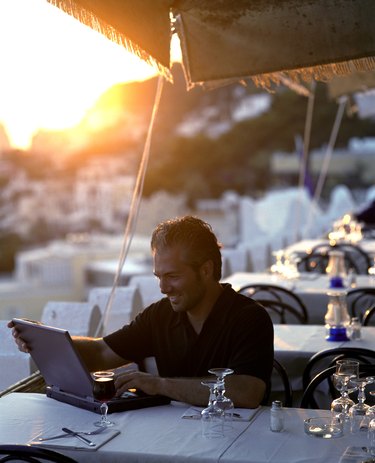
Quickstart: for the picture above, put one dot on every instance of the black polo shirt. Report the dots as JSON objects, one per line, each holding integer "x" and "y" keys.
{"x": 238, "y": 334}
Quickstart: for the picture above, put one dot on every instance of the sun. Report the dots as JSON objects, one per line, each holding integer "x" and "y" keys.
{"x": 54, "y": 68}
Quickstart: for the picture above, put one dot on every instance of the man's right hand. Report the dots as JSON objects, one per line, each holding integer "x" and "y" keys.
{"x": 21, "y": 344}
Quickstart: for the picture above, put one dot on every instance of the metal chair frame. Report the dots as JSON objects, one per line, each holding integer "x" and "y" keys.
{"x": 287, "y": 388}
{"x": 364, "y": 356}
{"x": 308, "y": 400}
{"x": 360, "y": 300}
{"x": 278, "y": 300}
{"x": 317, "y": 260}
{"x": 15, "y": 452}
{"x": 368, "y": 316}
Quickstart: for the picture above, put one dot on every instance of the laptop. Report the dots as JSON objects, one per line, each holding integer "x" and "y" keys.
{"x": 65, "y": 374}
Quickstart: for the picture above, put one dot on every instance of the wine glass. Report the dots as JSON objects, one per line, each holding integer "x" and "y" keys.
{"x": 357, "y": 412}
{"x": 222, "y": 401}
{"x": 212, "y": 416}
{"x": 346, "y": 371}
{"x": 103, "y": 389}
{"x": 370, "y": 413}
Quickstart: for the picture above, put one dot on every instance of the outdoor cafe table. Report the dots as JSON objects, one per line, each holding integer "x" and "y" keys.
{"x": 311, "y": 288}
{"x": 160, "y": 435}
{"x": 295, "y": 344}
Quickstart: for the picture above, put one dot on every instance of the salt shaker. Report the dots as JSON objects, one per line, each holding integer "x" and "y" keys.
{"x": 355, "y": 329}
{"x": 277, "y": 416}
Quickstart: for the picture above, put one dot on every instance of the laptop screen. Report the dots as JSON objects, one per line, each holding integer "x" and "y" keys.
{"x": 54, "y": 354}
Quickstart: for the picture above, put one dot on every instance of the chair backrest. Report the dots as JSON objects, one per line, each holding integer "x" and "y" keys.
{"x": 287, "y": 393}
{"x": 360, "y": 300}
{"x": 149, "y": 288}
{"x": 327, "y": 358}
{"x": 30, "y": 454}
{"x": 79, "y": 318}
{"x": 369, "y": 314}
{"x": 355, "y": 258}
{"x": 126, "y": 304}
{"x": 309, "y": 400}
{"x": 283, "y": 305}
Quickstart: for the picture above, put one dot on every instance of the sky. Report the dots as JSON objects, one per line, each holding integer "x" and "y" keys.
{"x": 53, "y": 68}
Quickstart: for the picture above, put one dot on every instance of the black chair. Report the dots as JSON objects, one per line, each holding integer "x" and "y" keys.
{"x": 360, "y": 300}
{"x": 308, "y": 399}
{"x": 368, "y": 316}
{"x": 327, "y": 358}
{"x": 15, "y": 452}
{"x": 355, "y": 258}
{"x": 286, "y": 395}
{"x": 283, "y": 305}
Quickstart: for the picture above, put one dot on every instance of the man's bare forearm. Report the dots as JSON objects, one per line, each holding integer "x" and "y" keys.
{"x": 245, "y": 391}
{"x": 96, "y": 354}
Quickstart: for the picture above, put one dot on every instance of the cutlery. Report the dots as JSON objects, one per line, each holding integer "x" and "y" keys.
{"x": 59, "y": 436}
{"x": 78, "y": 436}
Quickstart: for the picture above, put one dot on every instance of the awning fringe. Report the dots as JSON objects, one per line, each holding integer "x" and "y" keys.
{"x": 324, "y": 72}
{"x": 89, "y": 19}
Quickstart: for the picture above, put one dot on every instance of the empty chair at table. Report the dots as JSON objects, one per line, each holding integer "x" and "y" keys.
{"x": 18, "y": 452}
{"x": 126, "y": 303}
{"x": 79, "y": 318}
{"x": 360, "y": 300}
{"x": 316, "y": 260}
{"x": 283, "y": 305}
{"x": 280, "y": 387}
{"x": 369, "y": 317}
{"x": 323, "y": 360}
{"x": 319, "y": 393}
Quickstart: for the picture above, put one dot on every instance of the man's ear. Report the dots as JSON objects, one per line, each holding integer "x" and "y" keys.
{"x": 207, "y": 269}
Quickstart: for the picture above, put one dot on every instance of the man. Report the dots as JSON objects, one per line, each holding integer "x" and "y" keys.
{"x": 200, "y": 324}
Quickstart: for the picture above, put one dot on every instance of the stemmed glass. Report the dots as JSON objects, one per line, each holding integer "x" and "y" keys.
{"x": 103, "y": 389}
{"x": 358, "y": 411}
{"x": 223, "y": 402}
{"x": 212, "y": 416}
{"x": 346, "y": 371}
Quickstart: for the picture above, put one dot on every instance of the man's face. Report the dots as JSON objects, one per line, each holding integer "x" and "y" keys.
{"x": 183, "y": 286}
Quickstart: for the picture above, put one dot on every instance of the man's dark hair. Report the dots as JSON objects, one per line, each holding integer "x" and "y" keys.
{"x": 195, "y": 235}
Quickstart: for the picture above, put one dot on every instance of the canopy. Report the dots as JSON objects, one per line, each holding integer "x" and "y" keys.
{"x": 224, "y": 41}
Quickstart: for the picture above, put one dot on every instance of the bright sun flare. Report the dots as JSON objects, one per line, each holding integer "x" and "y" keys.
{"x": 54, "y": 68}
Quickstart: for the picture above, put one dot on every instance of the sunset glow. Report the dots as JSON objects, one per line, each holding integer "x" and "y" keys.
{"x": 54, "y": 68}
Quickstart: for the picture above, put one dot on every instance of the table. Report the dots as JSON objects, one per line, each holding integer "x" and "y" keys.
{"x": 160, "y": 435}
{"x": 311, "y": 288}
{"x": 295, "y": 344}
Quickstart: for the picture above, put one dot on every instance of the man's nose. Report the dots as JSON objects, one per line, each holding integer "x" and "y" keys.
{"x": 164, "y": 286}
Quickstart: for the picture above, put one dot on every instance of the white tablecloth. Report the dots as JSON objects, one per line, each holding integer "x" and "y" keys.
{"x": 160, "y": 435}
{"x": 311, "y": 288}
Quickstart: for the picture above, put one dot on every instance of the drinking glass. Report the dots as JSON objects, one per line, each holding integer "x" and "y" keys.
{"x": 212, "y": 416}
{"x": 103, "y": 389}
{"x": 222, "y": 401}
{"x": 346, "y": 371}
{"x": 371, "y": 436}
{"x": 357, "y": 412}
{"x": 371, "y": 410}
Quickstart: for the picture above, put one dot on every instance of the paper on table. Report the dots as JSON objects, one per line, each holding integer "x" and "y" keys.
{"x": 71, "y": 442}
{"x": 239, "y": 414}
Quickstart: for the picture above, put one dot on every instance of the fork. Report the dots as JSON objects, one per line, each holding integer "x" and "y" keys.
{"x": 59, "y": 436}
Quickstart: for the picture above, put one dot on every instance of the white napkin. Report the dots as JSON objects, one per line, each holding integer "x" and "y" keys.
{"x": 72, "y": 442}
{"x": 239, "y": 414}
